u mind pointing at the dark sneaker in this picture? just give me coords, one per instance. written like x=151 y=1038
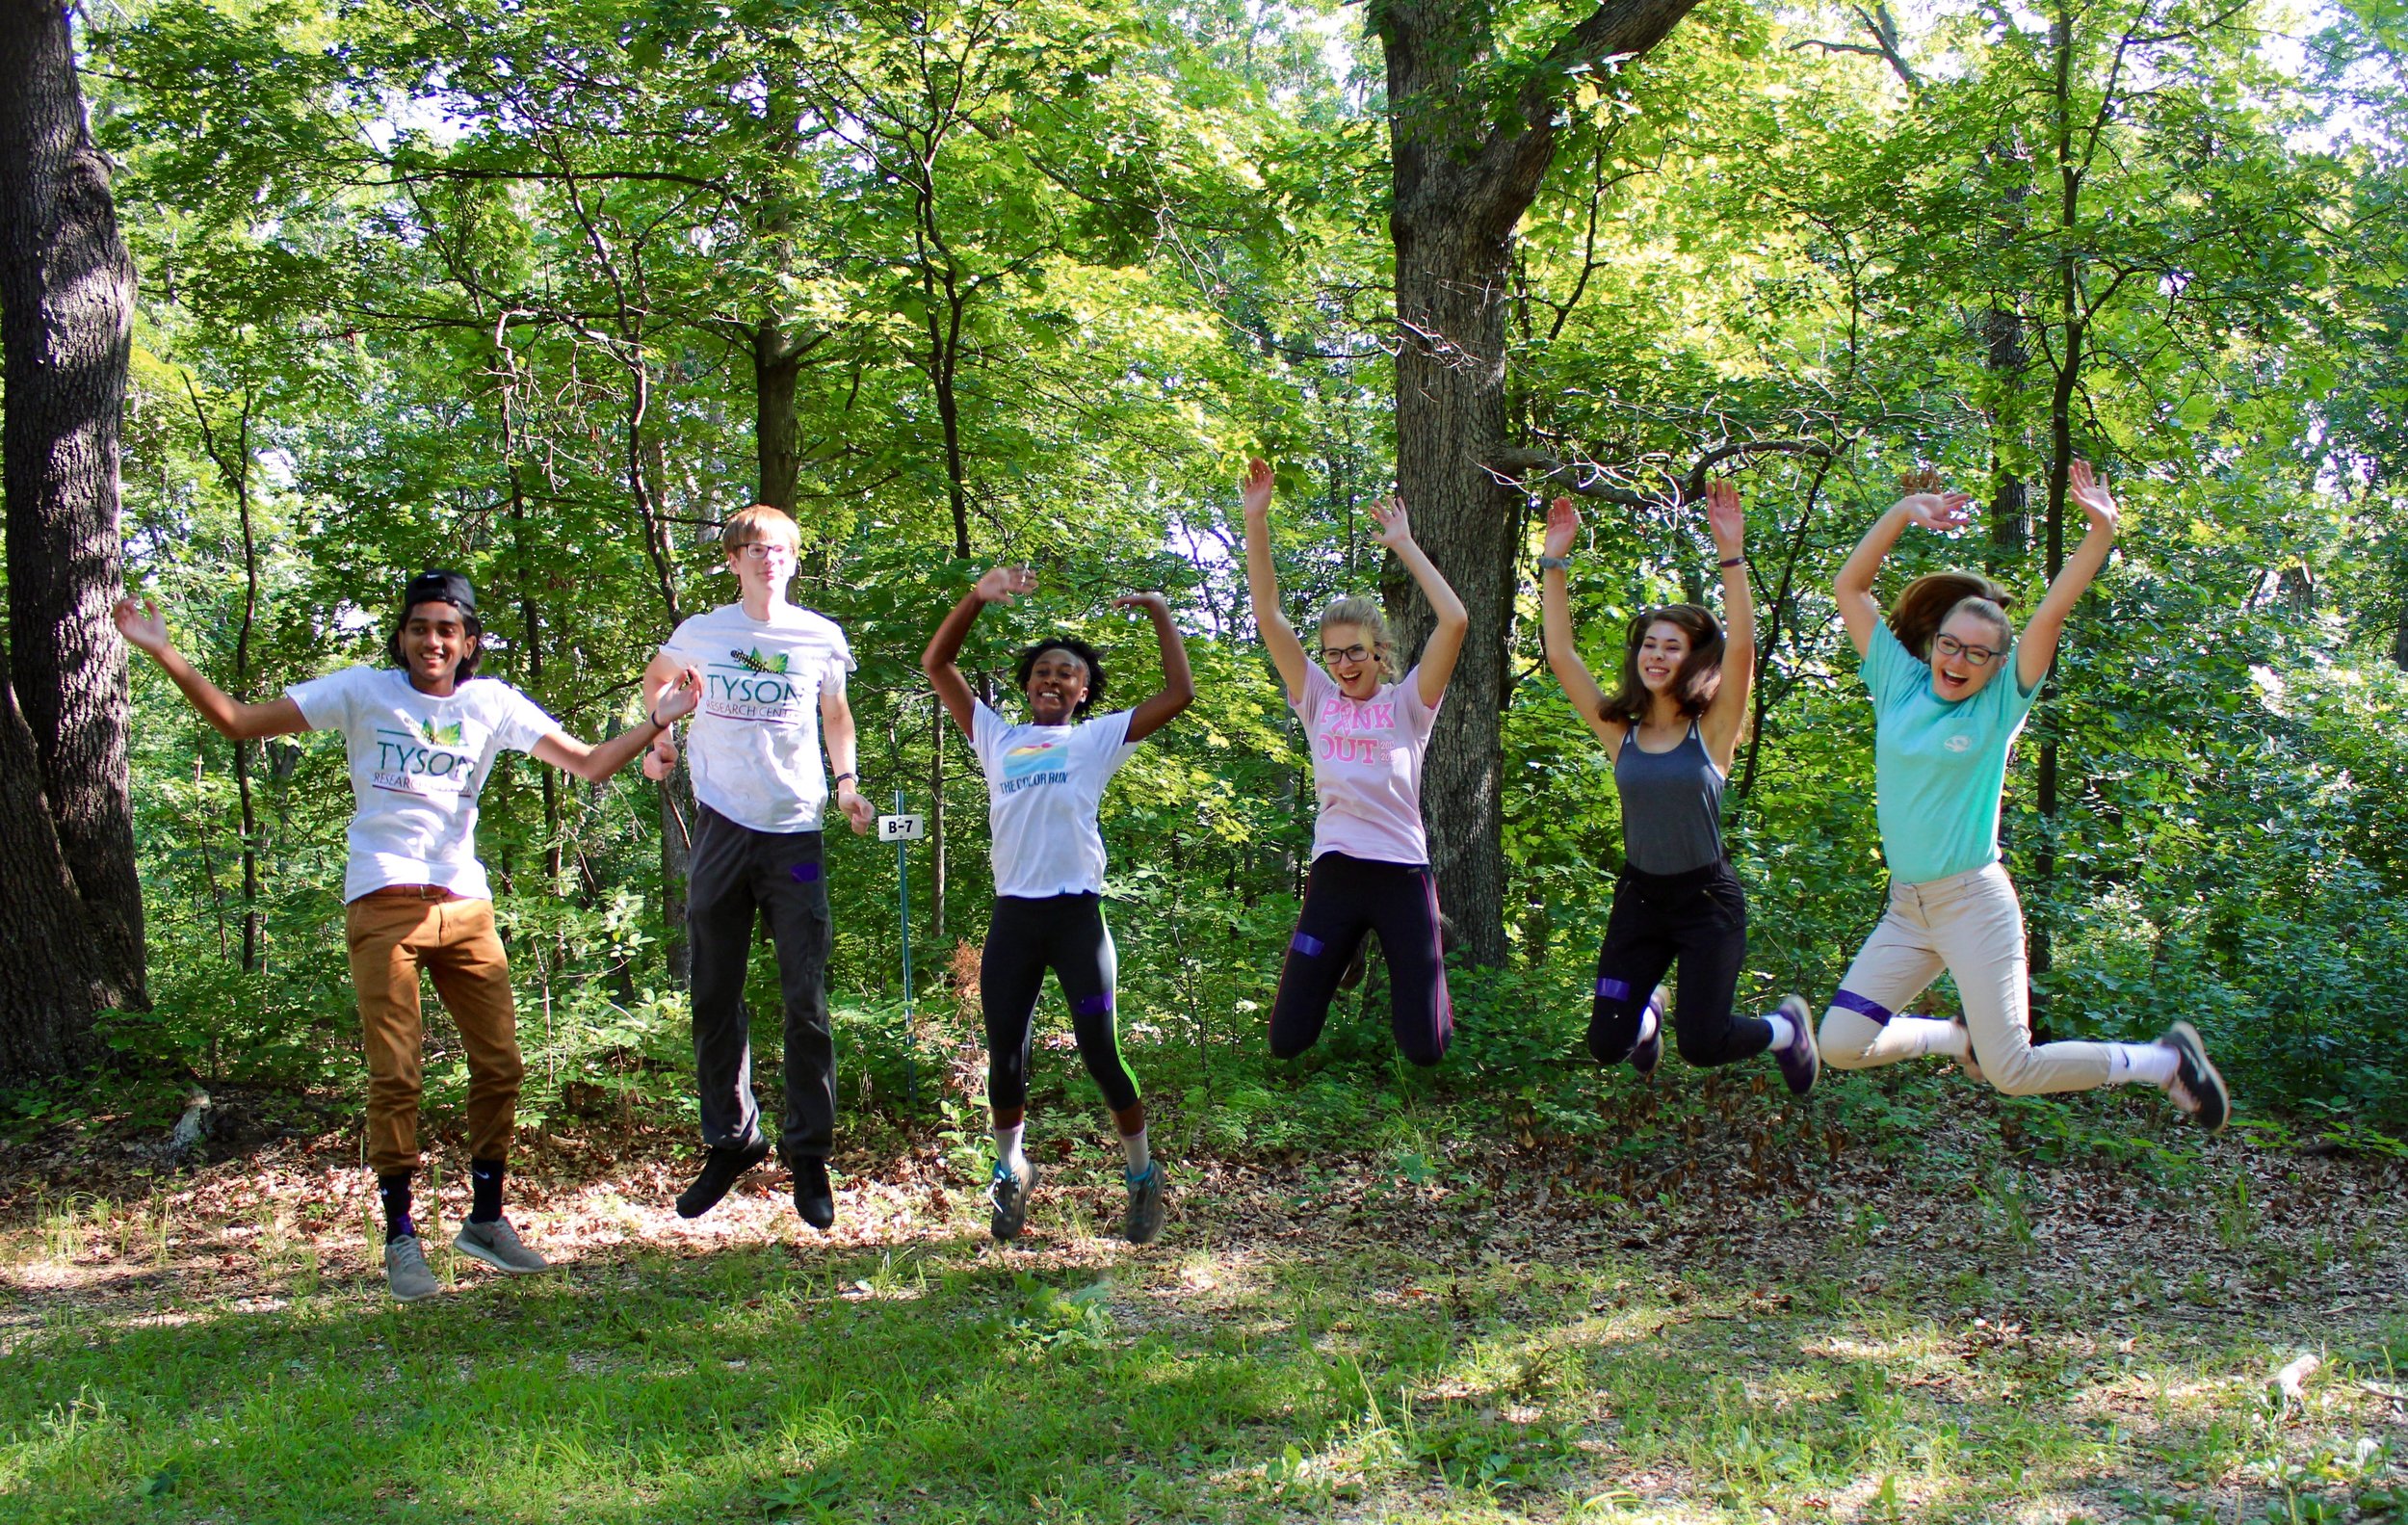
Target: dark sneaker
x=1145 y=1205
x=1007 y=1193
x=722 y=1165
x=2196 y=1088
x=1800 y=1061
x=1355 y=965
x=405 y=1272
x=497 y=1244
x=1966 y=1060
x=1650 y=1050
x=814 y=1201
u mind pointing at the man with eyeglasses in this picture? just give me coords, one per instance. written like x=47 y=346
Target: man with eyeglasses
x=773 y=676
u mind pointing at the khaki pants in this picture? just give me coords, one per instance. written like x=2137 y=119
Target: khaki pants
x=1971 y=924
x=392 y=937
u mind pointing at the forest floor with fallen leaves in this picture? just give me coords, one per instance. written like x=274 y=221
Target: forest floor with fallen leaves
x=1952 y=1308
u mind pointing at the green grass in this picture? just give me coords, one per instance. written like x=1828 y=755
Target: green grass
x=1218 y=1377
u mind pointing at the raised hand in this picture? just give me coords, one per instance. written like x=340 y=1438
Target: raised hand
x=1395 y=531
x=1151 y=603
x=145 y=628
x=2084 y=486
x=1001 y=585
x=1725 y=518
x=1945 y=512
x=661 y=759
x=679 y=700
x=1254 y=491
x=1563 y=526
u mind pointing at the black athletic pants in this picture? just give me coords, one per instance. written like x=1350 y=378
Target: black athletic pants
x=735 y=872
x=1698 y=920
x=1024 y=939
x=1345 y=898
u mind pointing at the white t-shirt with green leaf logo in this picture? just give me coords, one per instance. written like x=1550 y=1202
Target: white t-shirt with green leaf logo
x=754 y=742
x=418 y=764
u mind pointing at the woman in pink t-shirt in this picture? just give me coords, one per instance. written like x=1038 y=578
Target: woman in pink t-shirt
x=1371 y=857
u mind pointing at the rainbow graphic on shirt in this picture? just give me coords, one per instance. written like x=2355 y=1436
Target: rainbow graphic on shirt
x=1035 y=762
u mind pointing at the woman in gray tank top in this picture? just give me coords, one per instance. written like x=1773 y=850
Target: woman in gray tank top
x=1672 y=728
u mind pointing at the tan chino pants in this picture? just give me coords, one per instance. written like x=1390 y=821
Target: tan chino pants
x=1971 y=925
x=391 y=939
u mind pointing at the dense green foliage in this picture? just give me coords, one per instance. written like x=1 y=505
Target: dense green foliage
x=499 y=287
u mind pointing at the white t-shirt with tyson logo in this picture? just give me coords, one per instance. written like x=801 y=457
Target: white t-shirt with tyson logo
x=754 y=743
x=418 y=763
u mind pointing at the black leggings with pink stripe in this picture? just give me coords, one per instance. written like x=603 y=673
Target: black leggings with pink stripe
x=1343 y=898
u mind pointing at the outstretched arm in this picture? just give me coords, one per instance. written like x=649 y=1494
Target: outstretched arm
x=1178 y=689
x=601 y=760
x=1555 y=604
x=1262 y=584
x=2036 y=650
x=1446 y=638
x=145 y=630
x=1853 y=586
x=999 y=585
x=1727 y=714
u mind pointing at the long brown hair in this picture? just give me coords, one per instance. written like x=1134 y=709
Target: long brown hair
x=1694 y=683
x=1924 y=605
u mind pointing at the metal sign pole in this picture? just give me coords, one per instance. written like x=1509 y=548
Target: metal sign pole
x=903 y=901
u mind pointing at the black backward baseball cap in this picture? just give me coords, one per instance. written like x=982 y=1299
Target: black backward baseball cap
x=439 y=587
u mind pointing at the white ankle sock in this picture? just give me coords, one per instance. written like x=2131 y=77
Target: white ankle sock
x=2141 y=1065
x=1784 y=1031
x=1931 y=1036
x=1133 y=1145
x=1008 y=1145
x=1647 y=1023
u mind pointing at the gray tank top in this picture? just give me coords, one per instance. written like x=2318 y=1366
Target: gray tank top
x=1671 y=804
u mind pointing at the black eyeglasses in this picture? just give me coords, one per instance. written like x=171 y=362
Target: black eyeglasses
x=1354 y=653
x=1975 y=656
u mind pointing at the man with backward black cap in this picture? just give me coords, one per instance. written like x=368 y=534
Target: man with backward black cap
x=423 y=735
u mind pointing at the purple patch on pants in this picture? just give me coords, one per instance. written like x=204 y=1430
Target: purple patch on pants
x=1614 y=990
x=1849 y=1000
x=1092 y=1005
x=1307 y=944
x=806 y=873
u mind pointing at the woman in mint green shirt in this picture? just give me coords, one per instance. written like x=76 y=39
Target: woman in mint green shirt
x=1951 y=685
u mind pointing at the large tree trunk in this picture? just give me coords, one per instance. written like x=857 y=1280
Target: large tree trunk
x=66 y=301
x=1459 y=187
x=776 y=433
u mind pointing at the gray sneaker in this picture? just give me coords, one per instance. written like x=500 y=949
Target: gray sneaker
x=497 y=1244
x=1145 y=1205
x=1007 y=1198
x=405 y=1272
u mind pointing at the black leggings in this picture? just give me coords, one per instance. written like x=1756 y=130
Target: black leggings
x=1700 y=920
x=1024 y=939
x=1343 y=898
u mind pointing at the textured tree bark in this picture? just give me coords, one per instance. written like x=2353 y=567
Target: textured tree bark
x=66 y=299
x=776 y=433
x=1462 y=174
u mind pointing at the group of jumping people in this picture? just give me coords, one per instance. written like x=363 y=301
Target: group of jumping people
x=759 y=682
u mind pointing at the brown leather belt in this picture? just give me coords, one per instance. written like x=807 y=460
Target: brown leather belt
x=412 y=892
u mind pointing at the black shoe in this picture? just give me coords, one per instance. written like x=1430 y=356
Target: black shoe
x=814 y=1199
x=2196 y=1088
x=1800 y=1062
x=720 y=1168
x=1353 y=975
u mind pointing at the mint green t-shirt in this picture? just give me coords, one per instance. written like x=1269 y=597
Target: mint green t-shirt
x=1938 y=767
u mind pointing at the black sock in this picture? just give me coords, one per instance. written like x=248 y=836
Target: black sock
x=484 y=1184
x=394 y=1190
